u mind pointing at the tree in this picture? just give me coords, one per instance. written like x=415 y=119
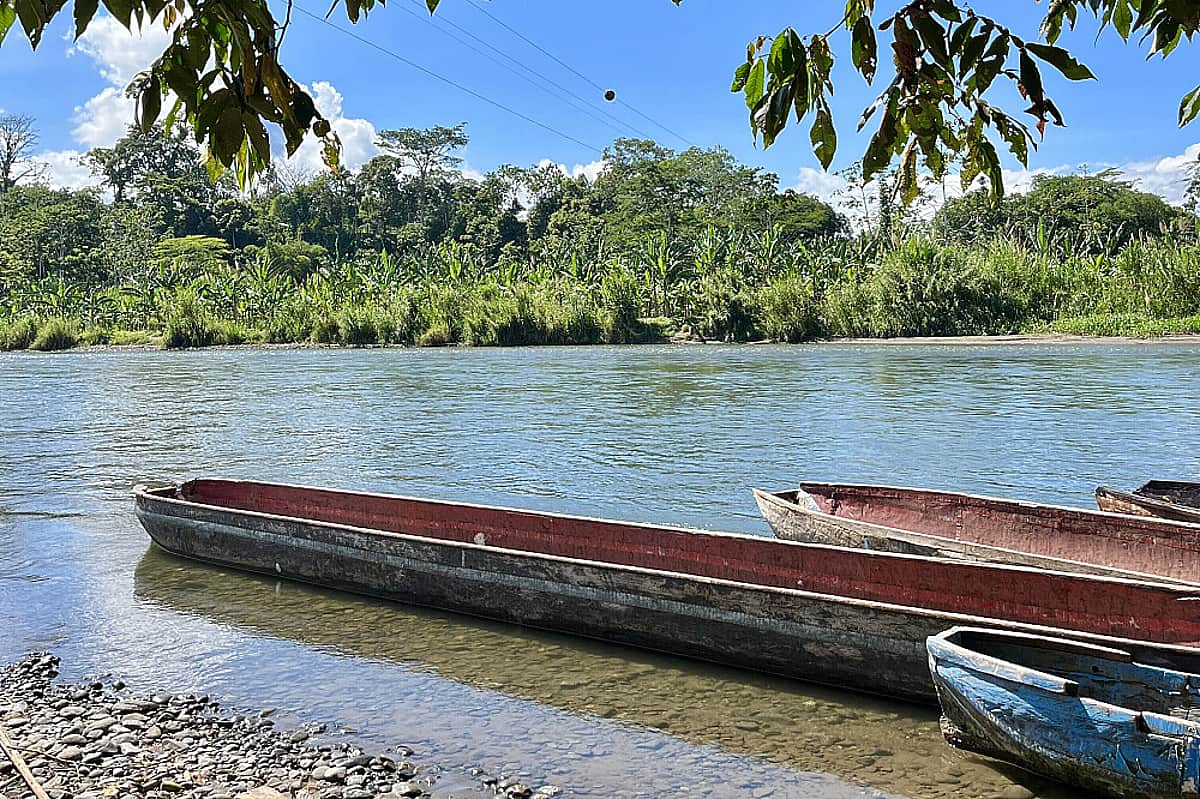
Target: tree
x=223 y=72
x=428 y=153
x=17 y=140
x=1096 y=213
x=947 y=58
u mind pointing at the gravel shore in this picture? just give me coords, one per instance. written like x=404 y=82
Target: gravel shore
x=97 y=741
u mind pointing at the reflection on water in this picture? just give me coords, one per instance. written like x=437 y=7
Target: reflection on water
x=653 y=434
x=866 y=740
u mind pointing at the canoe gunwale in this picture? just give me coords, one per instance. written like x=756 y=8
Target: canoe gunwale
x=957 y=550
x=1151 y=507
x=1016 y=568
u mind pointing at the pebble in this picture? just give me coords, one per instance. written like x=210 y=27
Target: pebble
x=166 y=746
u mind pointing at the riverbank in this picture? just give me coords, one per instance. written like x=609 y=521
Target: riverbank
x=98 y=740
x=148 y=342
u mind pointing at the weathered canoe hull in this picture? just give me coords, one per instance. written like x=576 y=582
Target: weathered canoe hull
x=951 y=525
x=846 y=641
x=1162 y=499
x=1051 y=727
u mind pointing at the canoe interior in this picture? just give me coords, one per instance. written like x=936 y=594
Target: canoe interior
x=1112 y=678
x=1131 y=543
x=1175 y=492
x=1145 y=611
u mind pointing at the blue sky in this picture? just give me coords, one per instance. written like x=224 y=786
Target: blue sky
x=673 y=63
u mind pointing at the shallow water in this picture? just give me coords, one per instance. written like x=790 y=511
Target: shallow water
x=670 y=434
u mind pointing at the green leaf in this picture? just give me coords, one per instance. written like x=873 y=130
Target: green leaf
x=824 y=136
x=740 y=76
x=84 y=11
x=150 y=103
x=972 y=49
x=433 y=4
x=1123 y=19
x=1189 y=107
x=1031 y=78
x=755 y=84
x=8 y=15
x=1061 y=60
x=783 y=57
x=933 y=36
x=122 y=10
x=864 y=48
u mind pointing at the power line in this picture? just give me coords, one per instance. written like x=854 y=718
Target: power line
x=448 y=81
x=574 y=71
x=537 y=81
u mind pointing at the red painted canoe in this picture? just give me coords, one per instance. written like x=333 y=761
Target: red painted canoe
x=948 y=524
x=846 y=617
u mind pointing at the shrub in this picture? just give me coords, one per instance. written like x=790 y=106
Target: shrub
x=18 y=334
x=56 y=334
x=789 y=311
x=357 y=327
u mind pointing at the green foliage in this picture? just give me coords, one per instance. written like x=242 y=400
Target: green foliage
x=789 y=310
x=17 y=334
x=1096 y=213
x=56 y=334
x=947 y=58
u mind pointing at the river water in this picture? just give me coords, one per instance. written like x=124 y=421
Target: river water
x=656 y=434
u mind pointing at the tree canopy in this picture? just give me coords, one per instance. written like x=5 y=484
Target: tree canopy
x=222 y=73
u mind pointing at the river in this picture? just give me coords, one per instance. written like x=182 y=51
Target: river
x=659 y=434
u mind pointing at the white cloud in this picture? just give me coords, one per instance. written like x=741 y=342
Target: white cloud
x=591 y=170
x=119 y=55
x=103 y=119
x=357 y=135
x=1166 y=177
x=64 y=169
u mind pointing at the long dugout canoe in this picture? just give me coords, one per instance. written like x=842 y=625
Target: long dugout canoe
x=1165 y=499
x=947 y=524
x=844 y=617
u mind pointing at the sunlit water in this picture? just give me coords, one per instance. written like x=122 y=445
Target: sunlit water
x=671 y=434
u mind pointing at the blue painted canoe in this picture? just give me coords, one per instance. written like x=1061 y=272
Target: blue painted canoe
x=1085 y=715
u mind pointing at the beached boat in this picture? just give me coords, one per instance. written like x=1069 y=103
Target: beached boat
x=844 y=617
x=1166 y=499
x=1087 y=715
x=952 y=525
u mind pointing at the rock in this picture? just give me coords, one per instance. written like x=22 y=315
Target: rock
x=1016 y=792
x=71 y=712
x=407 y=789
x=262 y=792
x=335 y=774
x=71 y=753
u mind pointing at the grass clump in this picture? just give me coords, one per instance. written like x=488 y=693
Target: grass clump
x=56 y=334
x=18 y=334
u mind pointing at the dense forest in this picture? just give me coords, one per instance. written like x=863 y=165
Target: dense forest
x=410 y=250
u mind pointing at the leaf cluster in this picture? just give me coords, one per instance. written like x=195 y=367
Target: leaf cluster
x=946 y=60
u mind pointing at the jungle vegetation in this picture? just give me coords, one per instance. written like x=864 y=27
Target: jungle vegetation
x=409 y=250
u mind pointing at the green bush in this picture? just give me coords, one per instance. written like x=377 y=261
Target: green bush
x=789 y=310
x=56 y=334
x=18 y=334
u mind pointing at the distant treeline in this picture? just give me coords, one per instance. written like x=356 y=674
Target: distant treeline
x=408 y=250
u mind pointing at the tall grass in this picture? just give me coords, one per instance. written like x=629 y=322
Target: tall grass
x=728 y=285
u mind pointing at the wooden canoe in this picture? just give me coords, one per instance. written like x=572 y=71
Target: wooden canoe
x=1086 y=715
x=952 y=525
x=1165 y=499
x=843 y=617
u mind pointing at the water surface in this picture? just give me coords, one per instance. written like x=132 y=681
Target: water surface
x=657 y=434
